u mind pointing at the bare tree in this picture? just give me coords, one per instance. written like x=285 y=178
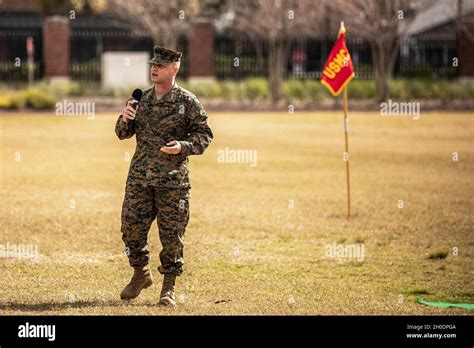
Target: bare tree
x=278 y=23
x=464 y=23
x=163 y=20
x=61 y=7
x=382 y=23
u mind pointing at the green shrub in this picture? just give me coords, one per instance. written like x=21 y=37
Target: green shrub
x=228 y=89
x=418 y=89
x=361 y=89
x=5 y=102
x=430 y=88
x=119 y=92
x=233 y=90
x=398 y=89
x=183 y=84
x=205 y=89
x=123 y=92
x=38 y=98
x=76 y=89
x=10 y=99
x=315 y=89
x=439 y=89
x=42 y=95
x=469 y=87
x=241 y=90
x=199 y=89
x=458 y=90
x=294 y=89
x=257 y=89
x=214 y=90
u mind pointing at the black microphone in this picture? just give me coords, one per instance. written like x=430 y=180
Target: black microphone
x=136 y=97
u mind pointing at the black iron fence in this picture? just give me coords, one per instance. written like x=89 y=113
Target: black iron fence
x=239 y=57
x=427 y=58
x=88 y=44
x=14 y=57
x=235 y=57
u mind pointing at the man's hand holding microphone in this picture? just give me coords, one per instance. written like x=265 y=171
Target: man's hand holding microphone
x=129 y=112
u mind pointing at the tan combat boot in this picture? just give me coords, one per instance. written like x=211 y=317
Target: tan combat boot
x=141 y=279
x=167 y=297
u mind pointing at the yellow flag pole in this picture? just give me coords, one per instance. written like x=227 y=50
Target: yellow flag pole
x=346 y=157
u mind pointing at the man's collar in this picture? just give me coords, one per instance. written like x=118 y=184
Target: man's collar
x=169 y=96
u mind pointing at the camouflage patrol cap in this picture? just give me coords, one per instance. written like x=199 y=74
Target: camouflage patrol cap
x=163 y=55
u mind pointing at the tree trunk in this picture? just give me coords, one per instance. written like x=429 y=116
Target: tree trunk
x=172 y=43
x=277 y=57
x=259 y=53
x=384 y=56
x=167 y=40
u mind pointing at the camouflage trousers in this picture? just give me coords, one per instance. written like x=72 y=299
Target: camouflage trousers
x=141 y=206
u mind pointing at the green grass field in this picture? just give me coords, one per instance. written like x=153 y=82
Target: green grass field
x=256 y=242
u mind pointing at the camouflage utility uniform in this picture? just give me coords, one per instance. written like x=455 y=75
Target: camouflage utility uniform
x=158 y=183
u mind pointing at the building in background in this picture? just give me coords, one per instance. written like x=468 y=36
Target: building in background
x=440 y=44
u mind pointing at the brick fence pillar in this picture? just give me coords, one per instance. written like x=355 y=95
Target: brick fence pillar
x=56 y=48
x=466 y=51
x=201 y=50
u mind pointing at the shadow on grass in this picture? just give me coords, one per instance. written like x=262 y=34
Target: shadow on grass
x=51 y=306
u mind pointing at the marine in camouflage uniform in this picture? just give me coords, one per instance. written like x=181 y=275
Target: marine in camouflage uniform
x=158 y=183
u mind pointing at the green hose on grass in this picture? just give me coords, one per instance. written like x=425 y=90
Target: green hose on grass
x=445 y=304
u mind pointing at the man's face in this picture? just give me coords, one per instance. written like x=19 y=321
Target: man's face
x=162 y=73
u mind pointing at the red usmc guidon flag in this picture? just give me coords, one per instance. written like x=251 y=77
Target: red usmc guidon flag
x=338 y=70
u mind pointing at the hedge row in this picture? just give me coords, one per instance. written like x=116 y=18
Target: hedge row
x=43 y=96
x=258 y=89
